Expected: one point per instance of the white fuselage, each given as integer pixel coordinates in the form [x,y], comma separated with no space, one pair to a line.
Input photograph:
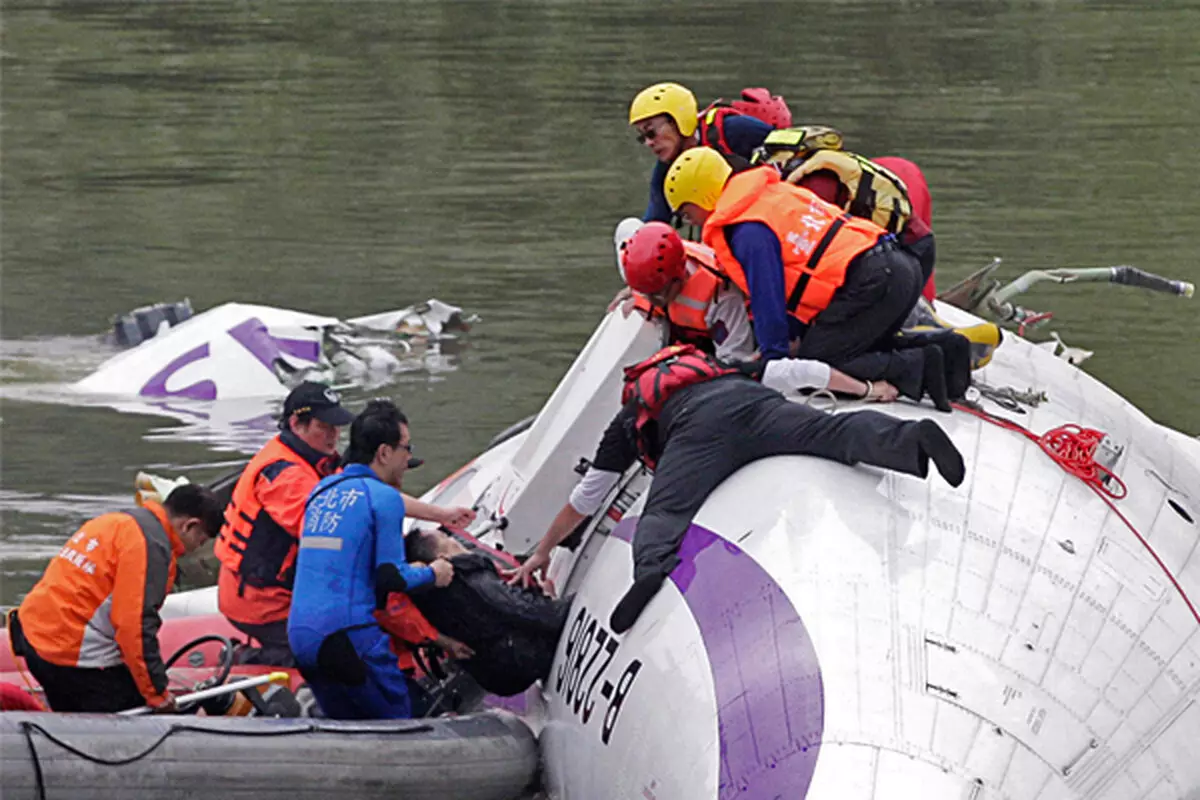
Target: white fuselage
[846,633]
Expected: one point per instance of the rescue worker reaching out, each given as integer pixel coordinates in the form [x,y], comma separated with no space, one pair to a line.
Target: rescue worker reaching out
[695,422]
[258,543]
[839,284]
[668,121]
[351,559]
[89,628]
[680,280]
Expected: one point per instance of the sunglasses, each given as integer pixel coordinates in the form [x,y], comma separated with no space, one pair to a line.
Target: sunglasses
[648,135]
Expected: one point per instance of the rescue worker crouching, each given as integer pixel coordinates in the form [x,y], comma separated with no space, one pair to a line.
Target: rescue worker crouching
[680,281]
[89,628]
[695,422]
[668,122]
[258,544]
[351,559]
[838,284]
[890,191]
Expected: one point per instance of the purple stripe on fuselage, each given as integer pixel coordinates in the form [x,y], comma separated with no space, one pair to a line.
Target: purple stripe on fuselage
[770,698]
[200,390]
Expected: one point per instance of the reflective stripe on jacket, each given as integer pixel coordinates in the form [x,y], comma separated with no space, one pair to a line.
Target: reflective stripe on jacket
[97,603]
[817,240]
[688,311]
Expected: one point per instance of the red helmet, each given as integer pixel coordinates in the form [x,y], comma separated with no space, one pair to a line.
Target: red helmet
[770,108]
[652,258]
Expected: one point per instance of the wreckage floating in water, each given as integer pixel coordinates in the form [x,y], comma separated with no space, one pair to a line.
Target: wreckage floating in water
[238,350]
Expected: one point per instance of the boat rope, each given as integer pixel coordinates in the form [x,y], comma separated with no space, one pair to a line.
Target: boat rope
[1074,448]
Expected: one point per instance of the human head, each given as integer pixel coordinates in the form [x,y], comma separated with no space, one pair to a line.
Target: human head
[428,546]
[314,413]
[695,182]
[195,513]
[379,438]
[760,103]
[665,116]
[653,259]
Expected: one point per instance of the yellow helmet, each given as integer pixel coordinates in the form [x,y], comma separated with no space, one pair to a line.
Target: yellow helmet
[697,176]
[666,98]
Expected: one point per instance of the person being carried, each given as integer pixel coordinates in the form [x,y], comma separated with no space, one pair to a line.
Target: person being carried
[838,284]
[512,631]
[89,629]
[694,422]
[679,281]
[351,559]
[258,544]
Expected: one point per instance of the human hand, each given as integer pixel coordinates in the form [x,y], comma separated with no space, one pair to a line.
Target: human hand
[168,706]
[882,392]
[528,574]
[625,294]
[456,649]
[457,517]
[443,573]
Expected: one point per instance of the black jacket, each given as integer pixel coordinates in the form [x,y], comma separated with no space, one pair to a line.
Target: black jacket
[513,631]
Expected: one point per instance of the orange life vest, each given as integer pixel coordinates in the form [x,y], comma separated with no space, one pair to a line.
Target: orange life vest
[817,239]
[252,544]
[650,383]
[688,311]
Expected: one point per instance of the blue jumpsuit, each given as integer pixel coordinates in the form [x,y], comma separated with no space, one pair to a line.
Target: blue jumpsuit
[352,529]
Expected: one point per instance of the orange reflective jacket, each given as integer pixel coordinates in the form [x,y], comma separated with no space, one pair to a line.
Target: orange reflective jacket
[688,312]
[817,240]
[258,542]
[97,603]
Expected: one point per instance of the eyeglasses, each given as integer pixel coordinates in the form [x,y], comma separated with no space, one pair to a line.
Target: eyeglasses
[408,447]
[649,134]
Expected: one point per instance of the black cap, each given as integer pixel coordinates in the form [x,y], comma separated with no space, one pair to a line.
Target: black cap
[318,400]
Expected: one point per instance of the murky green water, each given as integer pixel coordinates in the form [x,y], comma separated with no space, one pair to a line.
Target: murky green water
[344,158]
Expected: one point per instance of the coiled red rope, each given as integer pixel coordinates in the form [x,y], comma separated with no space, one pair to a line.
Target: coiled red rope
[1074,449]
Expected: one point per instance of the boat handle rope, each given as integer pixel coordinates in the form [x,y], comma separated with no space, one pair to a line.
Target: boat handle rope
[1073,448]
[28,727]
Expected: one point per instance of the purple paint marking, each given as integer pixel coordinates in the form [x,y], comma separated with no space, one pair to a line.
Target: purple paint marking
[770,697]
[300,348]
[252,335]
[200,390]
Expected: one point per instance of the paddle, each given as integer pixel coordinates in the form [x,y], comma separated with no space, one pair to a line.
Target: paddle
[215,691]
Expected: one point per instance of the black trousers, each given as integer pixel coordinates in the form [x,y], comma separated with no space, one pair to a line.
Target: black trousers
[274,650]
[882,285]
[105,690]
[713,429]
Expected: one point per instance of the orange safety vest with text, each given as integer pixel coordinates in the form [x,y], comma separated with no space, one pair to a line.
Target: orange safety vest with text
[252,544]
[817,240]
[97,604]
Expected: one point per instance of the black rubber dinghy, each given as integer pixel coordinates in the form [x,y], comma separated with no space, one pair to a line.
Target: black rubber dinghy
[486,756]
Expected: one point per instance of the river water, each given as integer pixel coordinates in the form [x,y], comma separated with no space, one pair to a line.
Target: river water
[350,157]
